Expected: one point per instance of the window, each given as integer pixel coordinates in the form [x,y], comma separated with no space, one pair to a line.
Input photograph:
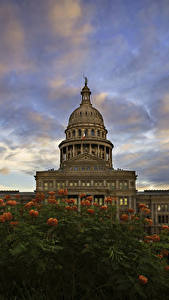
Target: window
[50,184]
[71,183]
[79,132]
[75,183]
[98,132]
[124,201]
[88,183]
[86,132]
[92,132]
[125,184]
[45,185]
[113,185]
[75,168]
[73,132]
[88,168]
[83,183]
[120,185]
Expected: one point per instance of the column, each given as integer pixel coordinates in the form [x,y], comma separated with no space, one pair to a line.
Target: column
[81,147]
[130,206]
[90,148]
[98,150]
[66,152]
[78,204]
[104,152]
[73,150]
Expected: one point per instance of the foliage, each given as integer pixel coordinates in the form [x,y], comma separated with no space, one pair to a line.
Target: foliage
[53,251]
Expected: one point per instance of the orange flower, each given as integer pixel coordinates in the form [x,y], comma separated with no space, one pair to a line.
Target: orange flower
[82,195]
[155,238]
[146,210]
[90,211]
[11,202]
[85,203]
[29,204]
[131,210]
[108,200]
[8,216]
[89,198]
[51,193]
[149,221]
[142,205]
[13,223]
[1,201]
[159,256]
[137,218]
[165,227]
[124,217]
[68,207]
[103,207]
[60,192]
[165,252]
[143,279]
[166,268]
[33,213]
[2,204]
[96,204]
[52,201]
[7,197]
[72,201]
[2,219]
[52,221]
[74,207]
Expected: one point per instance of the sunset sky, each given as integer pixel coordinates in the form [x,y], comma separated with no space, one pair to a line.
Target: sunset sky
[46,46]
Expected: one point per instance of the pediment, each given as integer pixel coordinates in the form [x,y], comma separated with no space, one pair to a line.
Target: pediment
[85,157]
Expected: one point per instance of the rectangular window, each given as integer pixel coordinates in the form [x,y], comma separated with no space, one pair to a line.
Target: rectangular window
[159,207]
[113,185]
[50,184]
[125,184]
[75,183]
[125,201]
[121,201]
[166,219]
[88,183]
[71,183]
[159,219]
[120,185]
[83,183]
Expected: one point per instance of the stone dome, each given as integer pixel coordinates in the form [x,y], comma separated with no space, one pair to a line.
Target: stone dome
[86,113]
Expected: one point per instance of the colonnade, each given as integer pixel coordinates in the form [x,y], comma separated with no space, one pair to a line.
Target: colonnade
[101,151]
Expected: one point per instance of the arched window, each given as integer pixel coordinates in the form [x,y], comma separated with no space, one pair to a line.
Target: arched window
[69,134]
[86,132]
[98,132]
[79,132]
[73,133]
[86,113]
[80,113]
[92,132]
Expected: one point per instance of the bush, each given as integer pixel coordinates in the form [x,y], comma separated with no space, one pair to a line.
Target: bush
[53,251]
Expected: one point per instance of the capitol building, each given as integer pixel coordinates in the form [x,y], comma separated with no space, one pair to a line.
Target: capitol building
[86,166]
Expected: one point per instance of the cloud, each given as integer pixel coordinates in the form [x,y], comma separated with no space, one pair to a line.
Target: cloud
[4,171]
[12,46]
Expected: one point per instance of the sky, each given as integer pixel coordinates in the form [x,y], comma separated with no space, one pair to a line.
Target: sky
[122,46]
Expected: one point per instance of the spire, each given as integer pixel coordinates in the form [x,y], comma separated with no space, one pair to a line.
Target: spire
[85,93]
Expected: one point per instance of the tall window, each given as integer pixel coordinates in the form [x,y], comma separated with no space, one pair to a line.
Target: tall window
[73,133]
[86,132]
[92,132]
[79,132]
[98,132]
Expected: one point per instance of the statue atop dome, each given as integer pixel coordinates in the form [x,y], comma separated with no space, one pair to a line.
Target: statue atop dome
[86,81]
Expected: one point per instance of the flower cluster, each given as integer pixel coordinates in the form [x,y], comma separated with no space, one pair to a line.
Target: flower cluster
[6,216]
[63,192]
[33,213]
[124,217]
[11,202]
[52,221]
[143,279]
